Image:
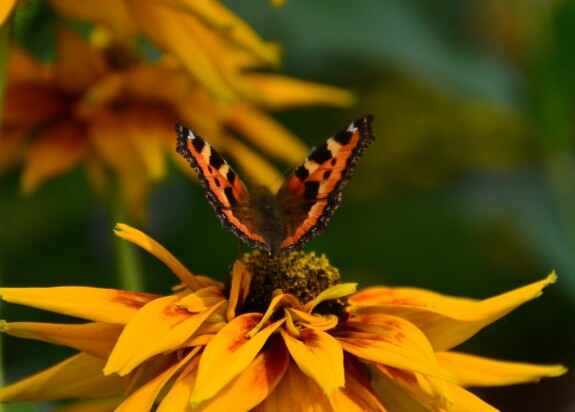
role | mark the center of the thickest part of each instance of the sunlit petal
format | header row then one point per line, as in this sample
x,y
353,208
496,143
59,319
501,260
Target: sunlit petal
x,y
254,384
446,321
77,377
138,342
5,10
100,305
319,356
229,353
474,370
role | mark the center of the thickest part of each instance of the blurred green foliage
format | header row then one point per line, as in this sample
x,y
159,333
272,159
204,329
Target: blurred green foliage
x,y
469,189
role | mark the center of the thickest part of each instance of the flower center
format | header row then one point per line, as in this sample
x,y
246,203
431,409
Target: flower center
x,y
303,275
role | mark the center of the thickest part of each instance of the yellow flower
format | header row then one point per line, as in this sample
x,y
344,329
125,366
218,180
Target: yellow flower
x,y
117,113
282,333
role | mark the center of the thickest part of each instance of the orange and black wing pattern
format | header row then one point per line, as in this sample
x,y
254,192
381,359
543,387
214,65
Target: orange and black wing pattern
x,y
224,190
312,193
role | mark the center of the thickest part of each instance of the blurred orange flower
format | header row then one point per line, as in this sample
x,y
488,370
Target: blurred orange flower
x,y
100,104
284,331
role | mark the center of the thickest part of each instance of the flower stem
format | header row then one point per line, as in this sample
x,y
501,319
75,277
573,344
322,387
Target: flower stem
x,y
127,258
4,46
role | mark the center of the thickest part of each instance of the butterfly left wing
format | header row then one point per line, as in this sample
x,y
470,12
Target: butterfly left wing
x,y
313,192
224,189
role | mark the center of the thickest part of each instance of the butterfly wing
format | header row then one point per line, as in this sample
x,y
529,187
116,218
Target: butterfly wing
x,y
224,190
313,192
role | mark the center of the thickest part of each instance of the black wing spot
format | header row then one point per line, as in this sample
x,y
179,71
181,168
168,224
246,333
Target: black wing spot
x,y
333,161
218,184
302,173
343,138
311,190
326,174
321,155
231,176
229,192
198,144
210,170
216,160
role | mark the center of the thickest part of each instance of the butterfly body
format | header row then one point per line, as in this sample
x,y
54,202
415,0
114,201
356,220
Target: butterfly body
x,y
301,209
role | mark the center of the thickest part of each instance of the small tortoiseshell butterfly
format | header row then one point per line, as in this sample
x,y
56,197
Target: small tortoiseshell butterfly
x,y
300,210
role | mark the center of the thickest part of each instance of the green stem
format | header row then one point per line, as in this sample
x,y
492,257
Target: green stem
x,y
127,258
4,46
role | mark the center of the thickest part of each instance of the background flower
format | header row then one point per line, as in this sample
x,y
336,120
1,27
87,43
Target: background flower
x,y
468,190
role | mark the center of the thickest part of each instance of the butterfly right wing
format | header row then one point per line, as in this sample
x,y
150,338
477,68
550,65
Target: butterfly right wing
x,y
224,190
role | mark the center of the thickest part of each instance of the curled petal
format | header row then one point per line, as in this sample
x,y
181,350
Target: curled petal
x,y
335,292
100,305
319,356
147,243
474,370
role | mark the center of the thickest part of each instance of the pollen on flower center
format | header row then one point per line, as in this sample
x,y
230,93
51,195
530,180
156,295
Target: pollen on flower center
x,y
300,274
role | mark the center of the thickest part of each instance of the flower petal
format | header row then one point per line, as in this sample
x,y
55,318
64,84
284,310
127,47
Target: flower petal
x,y
150,245
357,395
158,327
391,341
241,279
258,126
283,92
478,371
5,10
319,356
229,353
56,151
446,321
77,377
465,401
96,339
298,391
100,305
144,397
254,384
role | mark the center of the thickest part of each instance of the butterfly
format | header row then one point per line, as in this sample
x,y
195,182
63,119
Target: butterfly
x,y
283,222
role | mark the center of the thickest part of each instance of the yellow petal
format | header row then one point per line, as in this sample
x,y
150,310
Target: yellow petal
x,y
230,26
278,301
229,353
266,133
71,49
254,384
298,391
465,401
446,321
177,33
144,397
96,339
358,394
5,9
282,92
478,371
202,299
397,396
77,377
150,245
241,279
178,397
100,305
160,326
334,292
56,151
400,345
319,356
